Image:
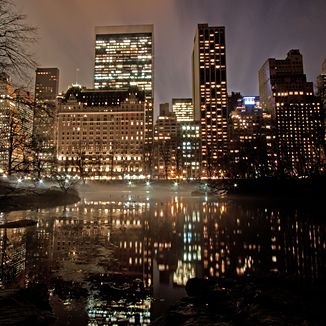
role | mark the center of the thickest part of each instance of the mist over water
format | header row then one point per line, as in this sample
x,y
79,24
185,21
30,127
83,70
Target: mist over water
x,y
126,251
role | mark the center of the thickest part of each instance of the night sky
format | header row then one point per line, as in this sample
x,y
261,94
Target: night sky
x,y
255,30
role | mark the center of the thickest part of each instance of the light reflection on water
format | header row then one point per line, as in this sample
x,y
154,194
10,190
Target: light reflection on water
x,y
127,254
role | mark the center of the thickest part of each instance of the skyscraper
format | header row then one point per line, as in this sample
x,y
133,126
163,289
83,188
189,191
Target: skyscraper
x,y
46,84
210,96
294,146
46,91
124,58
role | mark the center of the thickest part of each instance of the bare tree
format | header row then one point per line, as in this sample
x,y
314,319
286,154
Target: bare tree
x,y
80,159
65,181
13,141
42,162
15,38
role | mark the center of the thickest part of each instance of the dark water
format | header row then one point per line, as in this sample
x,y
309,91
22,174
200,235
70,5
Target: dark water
x,y
124,253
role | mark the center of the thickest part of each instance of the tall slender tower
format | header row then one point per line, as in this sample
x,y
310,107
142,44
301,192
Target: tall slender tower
x,y
44,123
210,96
124,59
295,113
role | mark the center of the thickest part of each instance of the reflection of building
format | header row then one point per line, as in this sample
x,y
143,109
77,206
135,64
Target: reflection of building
x,y
124,59
38,262
12,256
189,265
296,116
16,122
210,95
98,245
101,133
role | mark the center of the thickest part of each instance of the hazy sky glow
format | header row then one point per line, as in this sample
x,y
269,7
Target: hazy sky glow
x,y
255,30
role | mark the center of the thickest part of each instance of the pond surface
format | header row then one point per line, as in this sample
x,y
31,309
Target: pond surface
x,y
125,252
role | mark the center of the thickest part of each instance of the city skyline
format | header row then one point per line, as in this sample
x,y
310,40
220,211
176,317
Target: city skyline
x,y
279,28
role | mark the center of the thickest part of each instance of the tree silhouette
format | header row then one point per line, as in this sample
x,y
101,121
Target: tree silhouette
x,y
15,38
14,138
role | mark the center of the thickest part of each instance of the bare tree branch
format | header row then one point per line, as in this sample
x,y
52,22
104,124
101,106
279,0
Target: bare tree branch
x,y
16,36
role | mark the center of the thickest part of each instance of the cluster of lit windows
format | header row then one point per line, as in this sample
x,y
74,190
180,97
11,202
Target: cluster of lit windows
x,y
299,134
105,140
122,60
183,109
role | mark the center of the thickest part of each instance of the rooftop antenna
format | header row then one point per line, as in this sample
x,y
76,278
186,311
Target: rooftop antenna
x,y
77,70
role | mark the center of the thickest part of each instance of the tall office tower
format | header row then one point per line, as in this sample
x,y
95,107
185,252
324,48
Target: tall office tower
x,y
296,117
124,58
183,109
46,84
210,96
46,91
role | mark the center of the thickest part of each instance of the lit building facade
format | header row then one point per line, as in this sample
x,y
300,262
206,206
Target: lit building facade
x,y
183,109
210,96
189,149
100,134
124,58
16,123
296,116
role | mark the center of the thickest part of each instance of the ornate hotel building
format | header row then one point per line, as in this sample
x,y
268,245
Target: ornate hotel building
x,y
210,96
123,59
295,144
100,133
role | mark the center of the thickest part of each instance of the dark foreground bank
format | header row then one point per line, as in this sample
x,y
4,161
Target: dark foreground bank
x,y
312,188
31,198
249,301
25,307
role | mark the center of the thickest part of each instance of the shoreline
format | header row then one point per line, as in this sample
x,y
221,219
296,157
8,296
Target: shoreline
x,y
28,198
